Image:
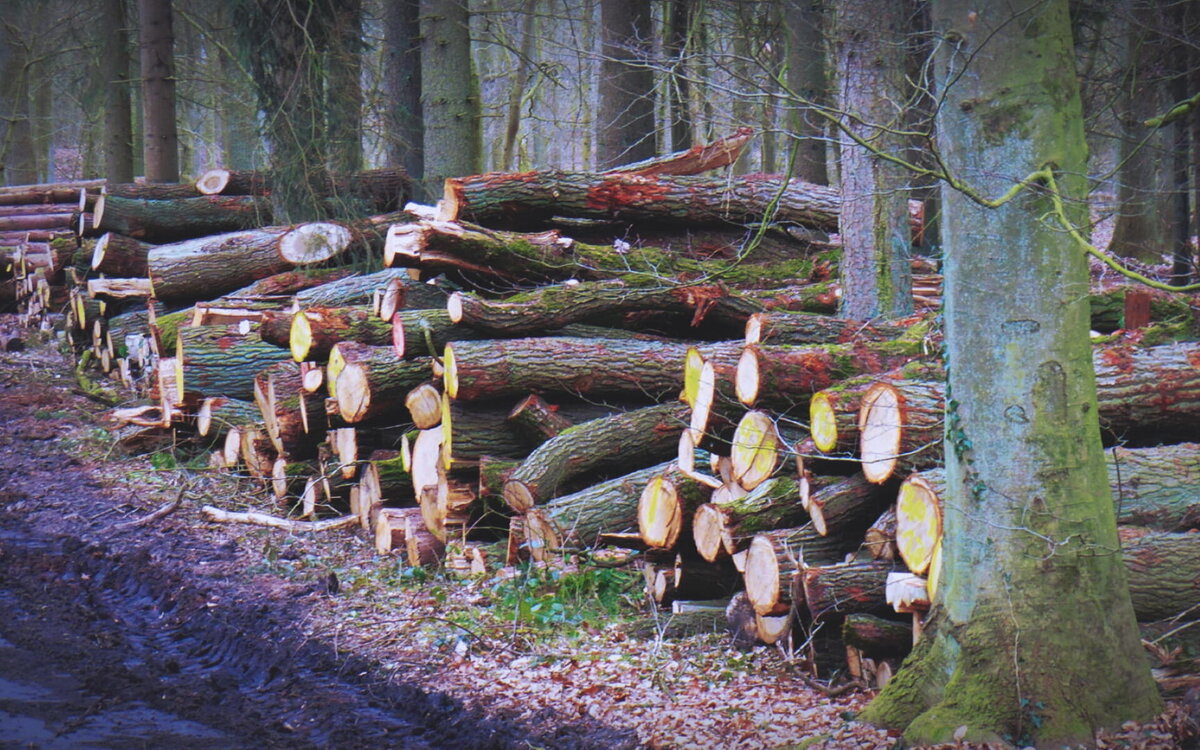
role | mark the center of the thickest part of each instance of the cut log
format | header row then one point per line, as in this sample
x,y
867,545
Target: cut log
x,y
644,435
532,197
386,189
218,414
391,527
666,507
170,221
293,417
789,375
876,636
424,404
150,191
847,506
900,425
360,290
773,559
906,593
1164,572
216,361
756,450
1157,487
919,519
551,307
579,519
372,382
495,368
549,256
314,331
537,420
880,537
211,265
833,591
784,328
697,159
721,529
51,192
35,222
289,479
834,411
425,333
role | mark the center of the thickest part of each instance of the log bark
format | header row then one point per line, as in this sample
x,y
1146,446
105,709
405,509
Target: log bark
x,y
293,427
579,519
642,435
832,591
512,367
218,414
208,266
775,557
786,376
216,361
530,198
373,382
156,192
425,333
471,431
880,537
1164,572
833,411
725,528
538,420
170,221
847,506
900,425
360,289
387,189
311,334
118,255
36,222
876,636
799,329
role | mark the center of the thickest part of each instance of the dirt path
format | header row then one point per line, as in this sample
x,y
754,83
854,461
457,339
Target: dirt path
x,y
121,636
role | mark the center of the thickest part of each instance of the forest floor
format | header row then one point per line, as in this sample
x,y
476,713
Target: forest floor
x,y
123,629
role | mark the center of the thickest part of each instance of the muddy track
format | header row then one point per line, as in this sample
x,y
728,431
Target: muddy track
x,y
158,618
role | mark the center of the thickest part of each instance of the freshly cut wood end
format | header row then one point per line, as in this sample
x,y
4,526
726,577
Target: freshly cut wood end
x,y
728,493
353,393
708,531
762,576
204,415
660,516
425,460
314,243
773,628
423,547
822,422
879,425
454,306
98,250
450,206
755,450
745,380
918,523
120,288
702,403
540,535
333,368
447,426
424,405
312,379
300,336
705,479
392,300
693,362
686,460
231,451
404,243
422,211
906,592
450,372
399,344
279,478
754,326
213,182
97,212
935,571
518,496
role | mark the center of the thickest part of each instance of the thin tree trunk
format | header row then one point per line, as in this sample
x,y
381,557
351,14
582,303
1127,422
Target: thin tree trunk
x,y
449,93
626,117
402,88
509,158
806,81
344,84
160,138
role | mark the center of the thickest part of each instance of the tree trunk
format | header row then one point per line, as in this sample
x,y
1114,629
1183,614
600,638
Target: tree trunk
x,y
120,256
626,88
776,557
531,198
725,528
806,79
873,222
642,435
114,74
372,381
450,103
847,506
537,420
1040,578
160,138
833,591
344,94
402,88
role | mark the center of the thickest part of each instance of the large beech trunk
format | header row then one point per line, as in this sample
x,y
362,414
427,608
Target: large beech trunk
x,y
727,527
579,519
642,435
373,382
551,307
216,361
170,221
549,256
788,375
512,367
529,198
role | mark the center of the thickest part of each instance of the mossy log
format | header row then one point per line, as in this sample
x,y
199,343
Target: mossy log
x,y
549,256
783,328
644,435
1164,572
170,221
372,382
312,332
120,256
551,307
531,197
1154,390
216,361
876,636
495,368
833,412
788,375
360,290
775,557
832,591
218,414
578,520
721,529
386,480
846,506
667,505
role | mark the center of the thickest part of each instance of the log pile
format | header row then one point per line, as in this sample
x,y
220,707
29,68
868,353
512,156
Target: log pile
x,y
503,391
